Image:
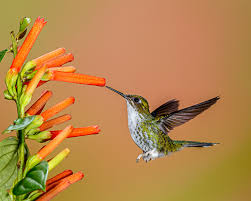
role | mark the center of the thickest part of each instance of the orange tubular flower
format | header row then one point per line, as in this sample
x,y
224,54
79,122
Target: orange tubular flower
x,y
59,176
67,69
51,186
40,103
60,185
54,191
78,132
71,178
59,120
27,44
74,177
41,82
46,57
57,108
39,112
26,96
35,80
59,61
45,151
77,78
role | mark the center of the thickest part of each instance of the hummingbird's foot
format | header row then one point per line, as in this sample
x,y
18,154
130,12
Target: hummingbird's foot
x,y
144,157
138,158
147,156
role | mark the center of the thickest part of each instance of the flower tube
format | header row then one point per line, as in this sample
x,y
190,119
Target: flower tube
x,y
27,44
77,78
57,108
40,103
47,57
76,132
59,61
46,150
58,120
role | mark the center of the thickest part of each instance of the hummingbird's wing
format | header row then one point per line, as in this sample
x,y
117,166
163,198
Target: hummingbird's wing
x,y
180,117
167,108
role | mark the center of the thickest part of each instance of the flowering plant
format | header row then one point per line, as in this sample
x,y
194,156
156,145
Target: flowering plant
x,y
23,176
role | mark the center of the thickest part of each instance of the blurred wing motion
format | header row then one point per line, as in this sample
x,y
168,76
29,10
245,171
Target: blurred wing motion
x,y
179,117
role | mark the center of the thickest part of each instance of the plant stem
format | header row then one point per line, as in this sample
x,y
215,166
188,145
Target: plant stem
x,y
21,154
21,149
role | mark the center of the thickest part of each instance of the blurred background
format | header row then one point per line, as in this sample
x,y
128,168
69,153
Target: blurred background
x,y
188,50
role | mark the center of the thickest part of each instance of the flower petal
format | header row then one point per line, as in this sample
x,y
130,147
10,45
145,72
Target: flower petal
x,y
62,185
27,44
67,69
59,177
58,120
45,151
59,61
77,78
90,130
40,103
35,80
57,108
46,57
54,191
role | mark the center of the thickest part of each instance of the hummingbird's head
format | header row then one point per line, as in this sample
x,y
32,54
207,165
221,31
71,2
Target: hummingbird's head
x,y
138,103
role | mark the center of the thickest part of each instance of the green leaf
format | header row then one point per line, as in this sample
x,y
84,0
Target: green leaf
x,y
35,180
24,23
4,195
8,161
2,54
20,124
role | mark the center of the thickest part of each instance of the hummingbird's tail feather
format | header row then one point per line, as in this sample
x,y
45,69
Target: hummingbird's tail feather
x,y
194,144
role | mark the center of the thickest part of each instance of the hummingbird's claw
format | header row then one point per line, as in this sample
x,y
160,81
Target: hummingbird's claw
x,y
138,158
152,155
145,156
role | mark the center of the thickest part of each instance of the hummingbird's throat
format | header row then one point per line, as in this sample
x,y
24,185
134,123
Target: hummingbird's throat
x,y
134,117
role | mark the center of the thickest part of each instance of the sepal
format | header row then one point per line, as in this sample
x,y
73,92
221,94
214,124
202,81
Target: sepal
x,y
38,121
40,137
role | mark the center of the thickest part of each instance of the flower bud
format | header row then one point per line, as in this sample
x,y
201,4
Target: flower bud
x,y
10,80
38,121
7,95
28,67
40,137
24,23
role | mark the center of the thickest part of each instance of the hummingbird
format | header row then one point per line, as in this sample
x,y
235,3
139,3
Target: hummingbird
x,y
149,130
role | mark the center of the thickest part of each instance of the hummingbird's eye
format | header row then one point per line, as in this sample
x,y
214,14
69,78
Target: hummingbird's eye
x,y
136,100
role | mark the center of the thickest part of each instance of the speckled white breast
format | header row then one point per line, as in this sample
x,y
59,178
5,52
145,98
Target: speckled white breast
x,y
134,120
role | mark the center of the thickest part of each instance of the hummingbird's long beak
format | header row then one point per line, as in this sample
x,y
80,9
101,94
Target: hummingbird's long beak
x,y
118,92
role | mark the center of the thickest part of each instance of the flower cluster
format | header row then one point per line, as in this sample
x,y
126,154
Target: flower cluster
x,y
21,81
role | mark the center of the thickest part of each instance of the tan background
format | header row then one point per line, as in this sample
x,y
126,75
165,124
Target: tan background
x,y
189,50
